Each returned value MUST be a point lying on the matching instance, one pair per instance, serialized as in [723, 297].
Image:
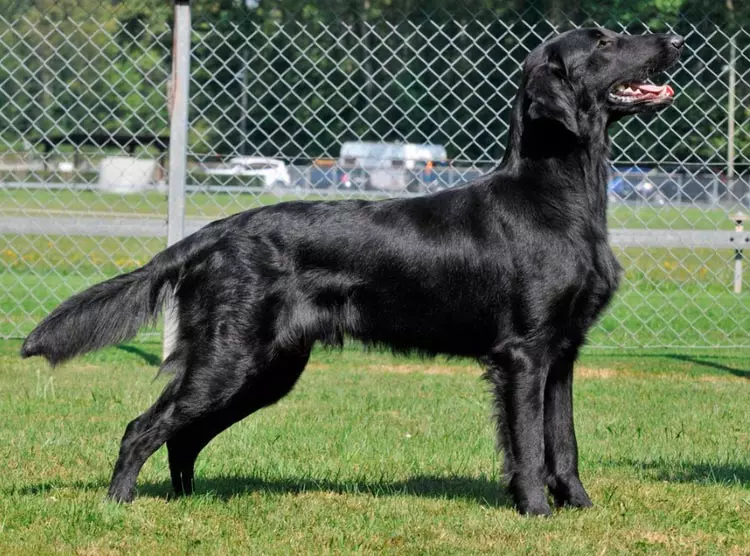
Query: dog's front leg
[560, 437]
[519, 379]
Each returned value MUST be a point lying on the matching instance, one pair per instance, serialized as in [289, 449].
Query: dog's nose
[677, 41]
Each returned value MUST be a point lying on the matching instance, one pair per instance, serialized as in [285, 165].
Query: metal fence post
[177, 151]
[731, 100]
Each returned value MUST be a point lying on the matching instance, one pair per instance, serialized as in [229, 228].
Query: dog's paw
[532, 502]
[538, 508]
[571, 494]
[121, 497]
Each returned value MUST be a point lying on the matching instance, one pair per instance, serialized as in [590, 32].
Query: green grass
[376, 454]
[216, 205]
[149, 204]
[669, 217]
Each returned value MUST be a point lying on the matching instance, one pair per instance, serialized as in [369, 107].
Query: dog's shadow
[485, 491]
[712, 363]
[480, 490]
[687, 472]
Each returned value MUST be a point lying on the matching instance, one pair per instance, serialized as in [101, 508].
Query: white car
[273, 172]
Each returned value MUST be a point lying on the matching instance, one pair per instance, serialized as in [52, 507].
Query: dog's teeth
[623, 98]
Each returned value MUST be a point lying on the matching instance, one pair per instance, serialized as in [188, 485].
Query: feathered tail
[114, 310]
[104, 314]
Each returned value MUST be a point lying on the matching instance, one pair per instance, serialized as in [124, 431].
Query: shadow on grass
[682, 472]
[480, 490]
[709, 362]
[149, 358]
[742, 373]
[483, 490]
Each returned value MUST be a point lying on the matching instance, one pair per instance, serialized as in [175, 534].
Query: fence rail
[84, 129]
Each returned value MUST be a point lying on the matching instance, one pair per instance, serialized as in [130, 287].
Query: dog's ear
[550, 95]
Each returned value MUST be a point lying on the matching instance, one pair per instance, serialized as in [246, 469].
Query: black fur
[511, 270]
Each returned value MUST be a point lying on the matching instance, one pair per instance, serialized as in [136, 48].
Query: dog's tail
[114, 310]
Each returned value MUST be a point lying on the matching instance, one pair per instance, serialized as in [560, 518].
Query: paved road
[154, 227]
[88, 226]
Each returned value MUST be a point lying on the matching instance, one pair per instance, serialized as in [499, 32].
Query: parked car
[385, 166]
[270, 171]
[634, 184]
[370, 155]
[356, 178]
[322, 177]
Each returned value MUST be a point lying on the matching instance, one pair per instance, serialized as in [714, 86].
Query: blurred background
[334, 99]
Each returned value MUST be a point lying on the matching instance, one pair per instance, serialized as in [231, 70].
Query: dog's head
[596, 73]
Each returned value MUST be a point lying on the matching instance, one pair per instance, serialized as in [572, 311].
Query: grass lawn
[217, 205]
[376, 454]
[148, 204]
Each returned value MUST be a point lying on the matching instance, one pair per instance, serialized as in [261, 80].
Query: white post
[177, 150]
[739, 222]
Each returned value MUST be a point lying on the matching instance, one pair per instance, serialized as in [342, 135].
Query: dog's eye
[604, 42]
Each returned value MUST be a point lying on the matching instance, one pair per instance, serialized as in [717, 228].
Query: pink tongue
[654, 89]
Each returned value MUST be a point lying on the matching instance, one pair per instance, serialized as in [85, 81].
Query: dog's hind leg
[142, 437]
[183, 448]
[197, 406]
[561, 448]
[262, 388]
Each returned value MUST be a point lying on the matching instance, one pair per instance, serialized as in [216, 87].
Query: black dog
[511, 270]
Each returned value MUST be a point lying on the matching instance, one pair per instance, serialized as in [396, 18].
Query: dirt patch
[588, 372]
[412, 368]
[718, 378]
[404, 368]
[656, 538]
[317, 366]
[580, 372]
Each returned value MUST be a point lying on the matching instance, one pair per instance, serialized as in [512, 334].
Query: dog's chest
[598, 284]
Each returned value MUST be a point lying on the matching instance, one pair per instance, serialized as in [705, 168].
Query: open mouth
[634, 92]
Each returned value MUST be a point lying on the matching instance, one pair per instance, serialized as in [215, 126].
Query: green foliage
[69, 67]
[314, 73]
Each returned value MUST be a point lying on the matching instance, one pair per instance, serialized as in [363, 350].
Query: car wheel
[415, 186]
[360, 181]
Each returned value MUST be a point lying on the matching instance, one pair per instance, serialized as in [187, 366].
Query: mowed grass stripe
[218, 205]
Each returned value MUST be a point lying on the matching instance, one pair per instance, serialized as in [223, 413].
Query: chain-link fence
[308, 104]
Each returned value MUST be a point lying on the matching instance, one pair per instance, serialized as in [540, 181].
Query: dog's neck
[559, 163]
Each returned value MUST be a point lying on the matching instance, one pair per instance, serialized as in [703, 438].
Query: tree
[315, 73]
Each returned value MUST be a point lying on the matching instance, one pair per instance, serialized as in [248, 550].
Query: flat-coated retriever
[512, 270]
